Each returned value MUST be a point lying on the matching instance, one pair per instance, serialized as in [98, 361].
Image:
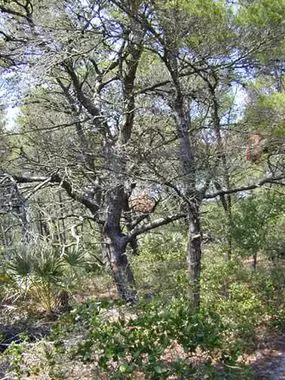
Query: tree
[200, 68]
[78, 123]
[101, 124]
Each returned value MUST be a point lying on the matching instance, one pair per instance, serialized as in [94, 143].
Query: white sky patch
[240, 101]
[11, 115]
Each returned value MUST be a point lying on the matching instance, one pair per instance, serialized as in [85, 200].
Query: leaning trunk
[114, 250]
[194, 254]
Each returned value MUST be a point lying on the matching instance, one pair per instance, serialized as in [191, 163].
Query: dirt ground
[269, 363]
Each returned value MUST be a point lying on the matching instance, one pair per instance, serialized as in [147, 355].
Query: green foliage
[257, 224]
[164, 337]
[15, 352]
[143, 338]
[206, 8]
[262, 13]
[235, 303]
[254, 220]
[48, 266]
[20, 263]
[214, 222]
[158, 253]
[226, 291]
[37, 271]
[164, 244]
[74, 126]
[75, 257]
[265, 113]
[198, 25]
[245, 300]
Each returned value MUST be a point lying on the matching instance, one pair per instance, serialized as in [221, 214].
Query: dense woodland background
[142, 173]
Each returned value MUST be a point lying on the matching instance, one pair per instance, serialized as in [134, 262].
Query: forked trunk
[114, 248]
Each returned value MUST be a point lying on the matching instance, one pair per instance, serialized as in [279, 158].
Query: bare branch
[271, 180]
[154, 224]
[67, 186]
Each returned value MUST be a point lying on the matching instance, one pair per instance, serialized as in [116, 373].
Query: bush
[161, 339]
[245, 300]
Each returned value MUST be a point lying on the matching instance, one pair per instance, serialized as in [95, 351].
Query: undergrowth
[161, 337]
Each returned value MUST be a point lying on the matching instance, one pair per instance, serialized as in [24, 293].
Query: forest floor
[263, 360]
[269, 363]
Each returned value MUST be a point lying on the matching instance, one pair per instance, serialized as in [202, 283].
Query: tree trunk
[194, 254]
[254, 261]
[194, 251]
[188, 164]
[114, 246]
[227, 206]
[226, 200]
[115, 243]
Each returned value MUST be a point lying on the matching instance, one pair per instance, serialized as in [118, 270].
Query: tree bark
[226, 199]
[180, 106]
[187, 158]
[194, 254]
[254, 261]
[114, 250]
[115, 244]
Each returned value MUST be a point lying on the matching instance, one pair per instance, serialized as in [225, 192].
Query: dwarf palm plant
[48, 276]
[37, 270]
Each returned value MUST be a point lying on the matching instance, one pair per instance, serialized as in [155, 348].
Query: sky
[11, 114]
